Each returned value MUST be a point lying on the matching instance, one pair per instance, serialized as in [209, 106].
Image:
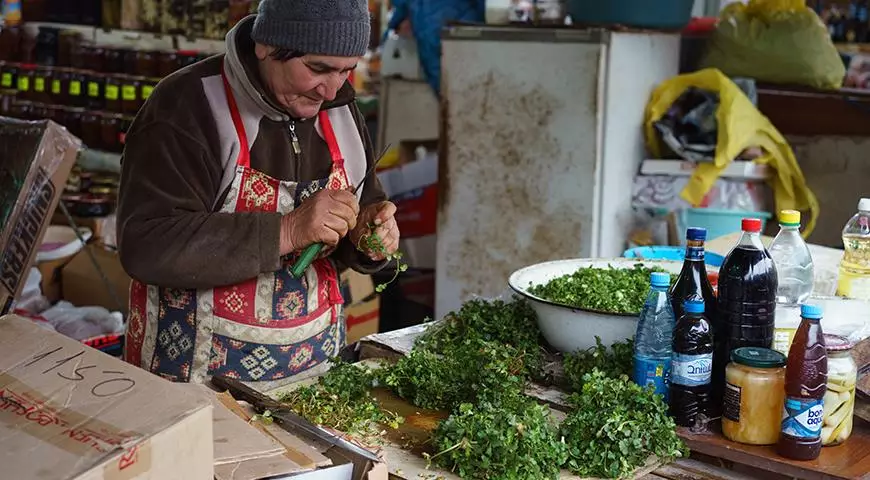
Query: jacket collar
[240, 65]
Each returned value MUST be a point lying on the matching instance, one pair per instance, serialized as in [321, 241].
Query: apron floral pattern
[267, 331]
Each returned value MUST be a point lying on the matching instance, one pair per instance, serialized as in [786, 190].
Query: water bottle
[854, 279]
[652, 342]
[692, 367]
[794, 264]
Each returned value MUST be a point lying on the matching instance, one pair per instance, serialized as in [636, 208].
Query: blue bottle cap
[811, 311]
[660, 279]
[693, 306]
[696, 234]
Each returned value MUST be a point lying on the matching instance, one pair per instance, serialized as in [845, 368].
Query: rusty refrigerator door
[542, 137]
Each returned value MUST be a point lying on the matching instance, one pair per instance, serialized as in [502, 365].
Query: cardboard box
[362, 319]
[355, 287]
[83, 286]
[68, 411]
[36, 161]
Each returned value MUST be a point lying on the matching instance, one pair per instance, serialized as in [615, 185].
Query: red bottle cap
[752, 225]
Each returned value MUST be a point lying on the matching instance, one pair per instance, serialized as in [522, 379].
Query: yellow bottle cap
[790, 217]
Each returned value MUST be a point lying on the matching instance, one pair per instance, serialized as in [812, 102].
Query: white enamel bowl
[569, 329]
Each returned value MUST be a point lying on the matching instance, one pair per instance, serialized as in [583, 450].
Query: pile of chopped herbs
[616, 362]
[616, 426]
[515, 439]
[341, 399]
[611, 290]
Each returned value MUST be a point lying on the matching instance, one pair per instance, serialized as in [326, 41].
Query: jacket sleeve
[168, 234]
[347, 254]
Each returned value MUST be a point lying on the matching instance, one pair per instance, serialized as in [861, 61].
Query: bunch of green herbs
[341, 399]
[610, 290]
[467, 371]
[508, 323]
[512, 440]
[615, 427]
[372, 242]
[614, 363]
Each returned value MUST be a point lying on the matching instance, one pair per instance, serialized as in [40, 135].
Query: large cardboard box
[35, 161]
[83, 286]
[68, 411]
[362, 311]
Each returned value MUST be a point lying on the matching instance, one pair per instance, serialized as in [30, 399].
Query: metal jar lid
[758, 357]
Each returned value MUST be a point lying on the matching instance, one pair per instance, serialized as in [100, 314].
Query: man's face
[302, 84]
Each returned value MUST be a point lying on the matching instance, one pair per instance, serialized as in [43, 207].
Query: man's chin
[305, 111]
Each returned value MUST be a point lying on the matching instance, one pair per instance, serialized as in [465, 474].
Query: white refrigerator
[541, 137]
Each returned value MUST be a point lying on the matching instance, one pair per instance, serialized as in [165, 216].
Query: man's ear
[262, 51]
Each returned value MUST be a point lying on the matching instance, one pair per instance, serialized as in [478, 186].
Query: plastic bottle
[806, 379]
[691, 366]
[746, 302]
[693, 281]
[794, 264]
[854, 280]
[652, 342]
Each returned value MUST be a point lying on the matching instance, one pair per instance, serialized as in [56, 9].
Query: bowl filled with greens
[579, 299]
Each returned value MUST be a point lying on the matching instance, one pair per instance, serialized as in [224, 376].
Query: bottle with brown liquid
[806, 379]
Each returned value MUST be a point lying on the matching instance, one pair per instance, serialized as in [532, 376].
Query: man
[234, 166]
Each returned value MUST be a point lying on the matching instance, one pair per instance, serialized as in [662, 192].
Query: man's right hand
[325, 217]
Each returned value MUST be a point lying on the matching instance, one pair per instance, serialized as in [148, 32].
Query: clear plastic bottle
[652, 342]
[794, 264]
[854, 281]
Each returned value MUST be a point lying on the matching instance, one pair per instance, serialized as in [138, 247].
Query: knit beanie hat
[339, 28]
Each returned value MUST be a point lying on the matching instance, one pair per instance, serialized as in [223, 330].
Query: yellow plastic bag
[778, 41]
[740, 126]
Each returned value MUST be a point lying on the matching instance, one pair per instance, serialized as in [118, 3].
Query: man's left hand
[382, 217]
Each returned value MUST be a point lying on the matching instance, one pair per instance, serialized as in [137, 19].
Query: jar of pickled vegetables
[754, 396]
[839, 400]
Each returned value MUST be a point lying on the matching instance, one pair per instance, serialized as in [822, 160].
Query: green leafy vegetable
[513, 324]
[265, 417]
[468, 371]
[614, 363]
[514, 440]
[372, 242]
[341, 399]
[616, 426]
[612, 290]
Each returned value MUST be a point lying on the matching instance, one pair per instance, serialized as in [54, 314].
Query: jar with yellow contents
[754, 396]
[839, 399]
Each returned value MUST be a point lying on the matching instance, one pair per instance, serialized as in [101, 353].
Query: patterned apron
[267, 331]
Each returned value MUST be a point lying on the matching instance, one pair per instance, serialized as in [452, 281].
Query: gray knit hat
[338, 28]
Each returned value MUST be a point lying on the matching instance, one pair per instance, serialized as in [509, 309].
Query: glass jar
[131, 99]
[76, 89]
[110, 128]
[148, 85]
[40, 111]
[113, 93]
[7, 97]
[839, 400]
[21, 109]
[95, 86]
[146, 64]
[90, 127]
[73, 120]
[167, 63]
[60, 86]
[42, 85]
[67, 43]
[24, 82]
[114, 62]
[8, 75]
[754, 396]
[94, 58]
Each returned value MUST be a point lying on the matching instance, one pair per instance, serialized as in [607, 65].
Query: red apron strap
[244, 158]
[331, 141]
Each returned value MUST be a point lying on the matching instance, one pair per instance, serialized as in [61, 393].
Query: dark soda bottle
[691, 366]
[692, 281]
[746, 303]
[806, 378]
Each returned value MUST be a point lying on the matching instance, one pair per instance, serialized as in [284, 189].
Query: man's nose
[329, 89]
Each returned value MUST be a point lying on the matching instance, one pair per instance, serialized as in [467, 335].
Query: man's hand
[325, 217]
[382, 216]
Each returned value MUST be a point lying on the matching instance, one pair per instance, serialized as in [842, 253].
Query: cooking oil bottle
[854, 280]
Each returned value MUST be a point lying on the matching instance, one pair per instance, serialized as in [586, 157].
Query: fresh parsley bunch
[513, 440]
[467, 371]
[615, 428]
[510, 323]
[618, 361]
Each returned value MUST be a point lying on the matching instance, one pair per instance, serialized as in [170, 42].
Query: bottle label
[55, 87]
[694, 253]
[39, 84]
[146, 91]
[128, 92]
[23, 83]
[75, 88]
[731, 402]
[802, 417]
[112, 92]
[691, 370]
[652, 372]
